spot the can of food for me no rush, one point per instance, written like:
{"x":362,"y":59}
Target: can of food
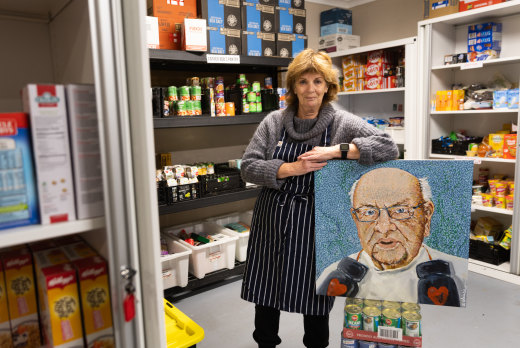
{"x":410,"y":306}
{"x":190,"y":108}
{"x":386,"y":345}
{"x":256,"y":86}
{"x":196,"y":93}
{"x":219,"y":84}
{"x":252,"y":107}
{"x":371,"y":317}
{"x":197,"y":107}
{"x":390,"y":317}
{"x":258,"y":106}
{"x":412,"y":324}
{"x":367,"y":344}
{"x":184,"y":93}
{"x":230,"y":109}
{"x":221,"y":109}
{"x":353,"y":317}
{"x":268,"y":82}
{"x":172,"y":93}
{"x":349,"y":343}
{"x":373,"y":303}
{"x":245,"y":107}
{"x":180,"y":108}
{"x":251,"y":97}
{"x":195,"y":81}
{"x":258,"y":97}
{"x":354,"y":300}
{"x":392,"y":304}
{"x":219,"y":98}
{"x":242,"y":78}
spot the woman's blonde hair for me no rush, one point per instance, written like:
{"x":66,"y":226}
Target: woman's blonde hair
{"x":312,"y":61}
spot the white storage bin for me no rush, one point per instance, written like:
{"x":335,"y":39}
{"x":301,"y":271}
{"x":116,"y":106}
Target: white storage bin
{"x":243,"y":237}
{"x":209,"y":257}
{"x":175,"y":266}
{"x":397,"y":133}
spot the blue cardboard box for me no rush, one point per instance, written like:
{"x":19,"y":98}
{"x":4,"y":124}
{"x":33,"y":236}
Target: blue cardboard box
{"x":485,"y":36}
{"x":224,"y":40}
{"x":289,"y":45}
{"x":513,"y":95}
{"x":258,"y":44}
{"x":222,"y":13}
{"x":335,"y":28}
{"x":299,"y":21}
{"x":336,"y":15}
{"x":18,"y":195}
{"x":283,"y":3}
{"x":284,"y":20}
{"x":299,"y":44}
{"x":251,"y":16}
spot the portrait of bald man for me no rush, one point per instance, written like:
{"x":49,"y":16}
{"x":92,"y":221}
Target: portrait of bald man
{"x":392,"y":211}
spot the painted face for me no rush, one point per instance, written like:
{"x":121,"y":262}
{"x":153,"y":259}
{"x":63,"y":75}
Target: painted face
{"x":391,"y":216}
{"x":310,"y":89}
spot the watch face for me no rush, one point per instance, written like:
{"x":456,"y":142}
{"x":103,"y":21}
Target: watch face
{"x":344,"y":147}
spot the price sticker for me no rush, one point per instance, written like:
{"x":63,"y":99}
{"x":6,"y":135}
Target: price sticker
{"x":223,"y":58}
{"x":472,"y":65}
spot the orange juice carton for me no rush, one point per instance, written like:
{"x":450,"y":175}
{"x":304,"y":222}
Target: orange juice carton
{"x":59,"y":306}
{"x":21,"y":298}
{"x":95,"y":301}
{"x":47,"y":110}
{"x":76,"y":251}
{"x":496,"y":141}
{"x":5,"y":327}
{"x":510,"y":146}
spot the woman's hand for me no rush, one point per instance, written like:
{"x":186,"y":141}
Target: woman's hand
{"x":320,"y":153}
{"x":300,"y":167}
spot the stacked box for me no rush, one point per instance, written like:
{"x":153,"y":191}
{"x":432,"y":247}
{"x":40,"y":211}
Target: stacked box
{"x":50,"y":140}
{"x":353,"y":73}
{"x":484,"y":41}
{"x":222,"y":13}
{"x":170,"y":16}
{"x":5,"y":327}
{"x":335,"y":21}
{"x":18,"y":195}
{"x":78,"y":251}
{"x":251,"y":16}
{"x":21,"y":298}
{"x":284,"y":20}
{"x":377,"y":61}
{"x":194,"y":35}
{"x":513,"y":95}
{"x":258,"y":44}
{"x":299,"y":17}
{"x":284,"y":45}
{"x":509,"y":150}
{"x":465,"y":5}
{"x":338,"y":42}
{"x":86,"y":156}
{"x":224,"y":40}
{"x":94,"y":293}
{"x":438,"y":8}
{"x":298,"y":4}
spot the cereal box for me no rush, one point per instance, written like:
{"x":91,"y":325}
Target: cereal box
{"x":18,"y":196}
{"x":496,"y":141}
{"x":373,"y":82}
{"x":95,"y":301}
{"x":50,"y":143}
{"x":5,"y":327}
{"x":510,"y":146}
{"x":21,"y":298}
{"x":76,"y":251}
{"x":59,"y":306}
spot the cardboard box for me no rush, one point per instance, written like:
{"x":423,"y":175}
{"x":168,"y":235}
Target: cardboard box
{"x":496,"y":142}
{"x":78,"y":251}
{"x":484,"y":41}
{"x":338,"y":42}
{"x":267,"y":18}
{"x":59,"y":306}
{"x":86,"y":156}
{"x":500,"y":99}
{"x":509,"y":146}
{"x":19,"y":198}
{"x":284,"y":20}
{"x":258,"y":44}
{"x":170,"y":16}
{"x":152,"y":32}
{"x":298,"y":4}
{"x":50,"y":142}
{"x":465,"y":5}
{"x":224,"y":41}
{"x":251,"y":17}
{"x":21,"y":298}
{"x":96,"y":309}
{"x":438,"y":8}
{"x":222,"y":13}
{"x":299,"y":44}
{"x":336,"y":15}
{"x":335,"y":28}
{"x":283,"y":3}
{"x":513,"y":95}
{"x":299,"y":21}
{"x":194,"y":35}
{"x":5,"y":326}
{"x":284,"y":44}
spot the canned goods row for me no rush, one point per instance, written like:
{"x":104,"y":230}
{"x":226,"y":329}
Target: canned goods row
{"x":225,"y":109}
{"x":351,"y":343}
{"x":186,"y":108}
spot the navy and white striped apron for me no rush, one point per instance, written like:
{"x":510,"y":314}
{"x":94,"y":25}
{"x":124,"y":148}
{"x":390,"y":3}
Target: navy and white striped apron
{"x":280,"y":270}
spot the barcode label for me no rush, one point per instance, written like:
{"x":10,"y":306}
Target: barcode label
{"x":390,"y":332}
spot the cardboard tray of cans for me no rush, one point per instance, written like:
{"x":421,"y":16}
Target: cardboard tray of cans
{"x":488,"y":252}
{"x":373,"y":337}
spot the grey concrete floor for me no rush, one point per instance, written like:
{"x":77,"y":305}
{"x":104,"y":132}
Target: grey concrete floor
{"x":491,"y":318}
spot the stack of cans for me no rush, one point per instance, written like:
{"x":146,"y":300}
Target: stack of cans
{"x":220,"y":103}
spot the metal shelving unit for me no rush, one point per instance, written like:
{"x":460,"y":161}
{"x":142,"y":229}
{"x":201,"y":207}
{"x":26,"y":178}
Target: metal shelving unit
{"x":205,"y":120}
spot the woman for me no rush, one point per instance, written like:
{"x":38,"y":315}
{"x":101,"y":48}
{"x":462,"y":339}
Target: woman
{"x":287,"y":147}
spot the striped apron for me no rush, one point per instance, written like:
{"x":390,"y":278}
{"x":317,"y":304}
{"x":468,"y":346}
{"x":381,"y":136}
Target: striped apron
{"x":280,"y":270}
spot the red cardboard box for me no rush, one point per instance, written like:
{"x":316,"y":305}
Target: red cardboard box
{"x":373,"y":337}
{"x":465,"y":5}
{"x":170,"y":13}
{"x":509,"y":146}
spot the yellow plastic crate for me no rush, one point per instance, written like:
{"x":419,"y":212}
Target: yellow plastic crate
{"x":181,"y":331}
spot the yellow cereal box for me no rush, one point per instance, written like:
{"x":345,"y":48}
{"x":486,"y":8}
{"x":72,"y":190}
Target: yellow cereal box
{"x":78,"y":251}
{"x":5,"y":326}
{"x":95,"y":301}
{"x":59,"y":306}
{"x":349,"y":85}
{"x":496,"y":141}
{"x":21,"y":298}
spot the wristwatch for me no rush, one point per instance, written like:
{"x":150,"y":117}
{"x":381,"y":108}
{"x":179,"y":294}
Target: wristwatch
{"x":344,"y":150}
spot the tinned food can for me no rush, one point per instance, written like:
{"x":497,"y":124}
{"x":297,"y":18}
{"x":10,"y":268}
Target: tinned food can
{"x":180,"y":108}
{"x":392,"y":304}
{"x":354,"y":300}
{"x":412,"y":324}
{"x":349,"y":343}
{"x":371,"y":316}
{"x":373,"y":303}
{"x":410,"y":306}
{"x":195,"y":93}
{"x":353,"y":317}
{"x":367,"y":344}
{"x":390,"y":317}
{"x":184,"y":93}
{"x":172,"y":93}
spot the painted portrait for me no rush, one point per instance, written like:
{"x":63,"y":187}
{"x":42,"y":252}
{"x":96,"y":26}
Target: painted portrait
{"x":396,"y":231}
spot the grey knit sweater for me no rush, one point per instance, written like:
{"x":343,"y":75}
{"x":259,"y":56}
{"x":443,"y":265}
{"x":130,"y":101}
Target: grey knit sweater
{"x":259,"y":167}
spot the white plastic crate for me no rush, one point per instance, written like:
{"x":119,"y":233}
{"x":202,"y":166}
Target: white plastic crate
{"x":243,"y":237}
{"x":175,"y":265}
{"x":209,"y":257}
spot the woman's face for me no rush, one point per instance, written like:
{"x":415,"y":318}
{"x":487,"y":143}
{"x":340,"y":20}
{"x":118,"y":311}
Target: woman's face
{"x":310,"y":89}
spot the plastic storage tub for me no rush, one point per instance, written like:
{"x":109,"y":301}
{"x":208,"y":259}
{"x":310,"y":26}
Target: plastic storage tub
{"x":175,"y":266}
{"x":181,"y":331}
{"x":243,"y":237}
{"x":209,"y":257}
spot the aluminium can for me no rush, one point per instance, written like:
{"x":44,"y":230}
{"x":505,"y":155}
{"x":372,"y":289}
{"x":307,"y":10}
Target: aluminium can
{"x":354,"y":300}
{"x":390,"y":317}
{"x":353,"y":317}
{"x":371,"y":316}
{"x":349,"y":343}
{"x":392,"y":304}
{"x":411,"y":324}
{"x":184,"y":93}
{"x":386,"y":345}
{"x":367,"y":344}
{"x":410,"y":306}
{"x":373,"y":303}
{"x":172,"y":93}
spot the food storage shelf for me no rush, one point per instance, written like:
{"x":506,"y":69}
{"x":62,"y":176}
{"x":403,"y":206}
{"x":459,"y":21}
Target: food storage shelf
{"x":175,"y":265}
{"x":243,"y":237}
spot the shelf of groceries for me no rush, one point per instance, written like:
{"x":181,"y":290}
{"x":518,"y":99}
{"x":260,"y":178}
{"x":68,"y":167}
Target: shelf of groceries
{"x":207,"y":120}
{"x":385,"y":90}
{"x":478,"y":64}
{"x":491,"y":209}
{"x":477,"y":160}
{"x":475,"y":111}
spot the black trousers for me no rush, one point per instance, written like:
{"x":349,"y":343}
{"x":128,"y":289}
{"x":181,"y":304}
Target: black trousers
{"x":267,"y":322}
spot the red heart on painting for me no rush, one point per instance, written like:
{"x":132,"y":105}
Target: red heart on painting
{"x":438,"y":296}
{"x":336,"y":288}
